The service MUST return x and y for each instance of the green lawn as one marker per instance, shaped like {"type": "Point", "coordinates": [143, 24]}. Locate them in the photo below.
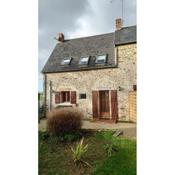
{"type": "Point", "coordinates": [55, 157]}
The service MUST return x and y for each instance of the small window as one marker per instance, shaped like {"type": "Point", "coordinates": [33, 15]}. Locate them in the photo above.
{"type": "Point", "coordinates": [84, 60]}
{"type": "Point", "coordinates": [101, 59]}
{"type": "Point", "coordinates": [82, 96]}
{"type": "Point", "coordinates": [66, 61]}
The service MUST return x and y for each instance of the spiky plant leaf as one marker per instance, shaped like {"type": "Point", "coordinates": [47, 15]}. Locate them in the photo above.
{"type": "Point", "coordinates": [79, 151]}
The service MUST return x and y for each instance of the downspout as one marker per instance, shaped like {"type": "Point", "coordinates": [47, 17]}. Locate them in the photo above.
{"type": "Point", "coordinates": [45, 94]}
{"type": "Point", "coordinates": [50, 100]}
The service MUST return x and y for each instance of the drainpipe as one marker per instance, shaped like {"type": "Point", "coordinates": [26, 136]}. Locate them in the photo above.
{"type": "Point", "coordinates": [50, 91]}
{"type": "Point", "coordinates": [45, 94]}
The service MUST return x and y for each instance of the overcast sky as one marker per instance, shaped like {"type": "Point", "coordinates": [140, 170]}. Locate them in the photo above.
{"type": "Point", "coordinates": [77, 18]}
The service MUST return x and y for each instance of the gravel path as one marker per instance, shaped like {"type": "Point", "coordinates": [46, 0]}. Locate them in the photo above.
{"type": "Point", "coordinates": [129, 129]}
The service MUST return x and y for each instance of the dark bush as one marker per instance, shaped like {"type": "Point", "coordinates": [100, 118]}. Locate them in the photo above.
{"type": "Point", "coordinates": [64, 121]}
{"type": "Point", "coordinates": [71, 137]}
{"type": "Point", "coordinates": [43, 135]}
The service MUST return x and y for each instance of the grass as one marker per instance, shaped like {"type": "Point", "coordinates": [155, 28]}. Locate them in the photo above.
{"type": "Point", "coordinates": [55, 156]}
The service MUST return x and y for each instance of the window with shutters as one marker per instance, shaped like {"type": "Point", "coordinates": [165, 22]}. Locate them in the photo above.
{"type": "Point", "coordinates": [61, 97]}
{"type": "Point", "coordinates": [65, 96]}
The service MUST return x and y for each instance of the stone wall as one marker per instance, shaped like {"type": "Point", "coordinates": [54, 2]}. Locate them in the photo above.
{"type": "Point", "coordinates": [133, 106]}
{"type": "Point", "coordinates": [121, 78]}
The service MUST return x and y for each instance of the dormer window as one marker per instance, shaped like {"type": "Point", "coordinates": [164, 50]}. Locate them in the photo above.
{"type": "Point", "coordinates": [66, 61]}
{"type": "Point", "coordinates": [84, 60]}
{"type": "Point", "coordinates": [101, 59]}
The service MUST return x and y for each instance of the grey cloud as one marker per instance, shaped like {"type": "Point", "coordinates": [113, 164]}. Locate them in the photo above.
{"type": "Point", "coordinates": [102, 20]}
{"type": "Point", "coordinates": [107, 12]}
{"type": "Point", "coordinates": [58, 16]}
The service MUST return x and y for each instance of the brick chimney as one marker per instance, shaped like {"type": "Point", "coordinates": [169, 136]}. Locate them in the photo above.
{"type": "Point", "coordinates": [60, 37]}
{"type": "Point", "coordinates": [118, 23]}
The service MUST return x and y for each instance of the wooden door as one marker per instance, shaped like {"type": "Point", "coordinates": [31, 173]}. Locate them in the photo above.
{"type": "Point", "coordinates": [114, 105]}
{"type": "Point", "coordinates": [95, 108]}
{"type": "Point", "coordinates": [104, 104]}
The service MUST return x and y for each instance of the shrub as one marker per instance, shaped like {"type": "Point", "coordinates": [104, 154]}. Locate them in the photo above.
{"type": "Point", "coordinates": [43, 135]}
{"type": "Point", "coordinates": [79, 151]}
{"type": "Point", "coordinates": [64, 121]}
{"type": "Point", "coordinates": [110, 148]}
{"type": "Point", "coordinates": [71, 137]}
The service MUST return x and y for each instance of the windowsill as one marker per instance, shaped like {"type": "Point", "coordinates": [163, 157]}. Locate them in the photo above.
{"type": "Point", "coordinates": [65, 104]}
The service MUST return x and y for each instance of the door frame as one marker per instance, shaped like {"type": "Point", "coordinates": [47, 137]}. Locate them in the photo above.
{"type": "Point", "coordinates": [113, 105]}
{"type": "Point", "coordinates": [100, 112]}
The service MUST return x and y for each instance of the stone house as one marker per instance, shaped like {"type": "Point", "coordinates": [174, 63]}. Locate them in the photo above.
{"type": "Point", "coordinates": [95, 74]}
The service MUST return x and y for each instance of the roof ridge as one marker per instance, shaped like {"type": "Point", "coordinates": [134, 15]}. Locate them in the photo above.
{"type": "Point", "coordinates": [90, 36]}
{"type": "Point", "coordinates": [97, 34]}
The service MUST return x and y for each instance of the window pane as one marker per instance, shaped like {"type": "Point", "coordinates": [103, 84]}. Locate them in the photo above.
{"type": "Point", "coordinates": [84, 60]}
{"type": "Point", "coordinates": [101, 59]}
{"type": "Point", "coordinates": [66, 61]}
{"type": "Point", "coordinates": [82, 96]}
{"type": "Point", "coordinates": [65, 96]}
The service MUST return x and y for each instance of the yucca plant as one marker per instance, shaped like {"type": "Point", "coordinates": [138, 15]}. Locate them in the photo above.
{"type": "Point", "coordinates": [79, 151]}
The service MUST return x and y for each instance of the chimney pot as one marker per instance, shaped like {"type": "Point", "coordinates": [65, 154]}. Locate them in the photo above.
{"type": "Point", "coordinates": [118, 23]}
{"type": "Point", "coordinates": [60, 37]}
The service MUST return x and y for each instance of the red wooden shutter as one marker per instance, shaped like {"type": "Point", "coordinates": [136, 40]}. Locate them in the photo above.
{"type": "Point", "coordinates": [57, 97]}
{"type": "Point", "coordinates": [73, 97]}
{"type": "Point", "coordinates": [114, 105]}
{"type": "Point", "coordinates": [68, 96]}
{"type": "Point", "coordinates": [135, 87]}
{"type": "Point", "coordinates": [95, 105]}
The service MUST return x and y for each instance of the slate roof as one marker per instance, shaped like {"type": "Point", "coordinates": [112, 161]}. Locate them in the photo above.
{"type": "Point", "coordinates": [125, 35]}
{"type": "Point", "coordinates": [89, 46]}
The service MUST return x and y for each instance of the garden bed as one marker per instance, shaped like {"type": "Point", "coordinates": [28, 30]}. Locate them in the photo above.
{"type": "Point", "coordinates": [55, 156]}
